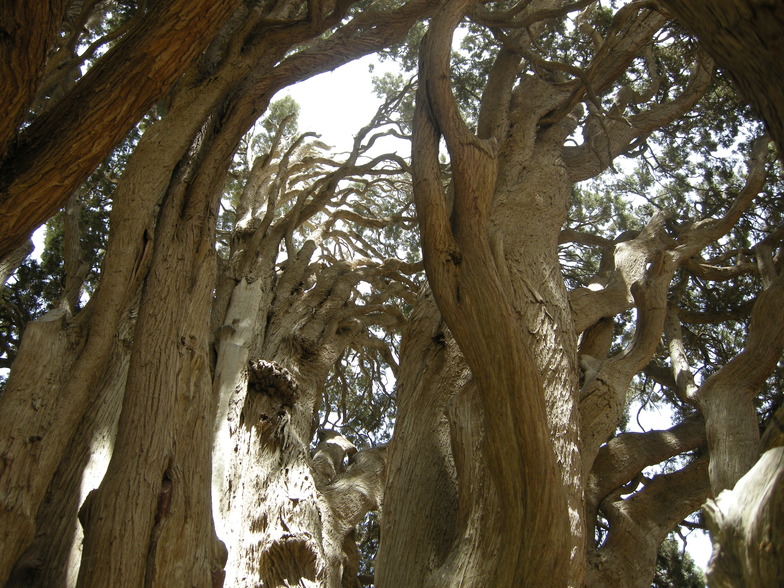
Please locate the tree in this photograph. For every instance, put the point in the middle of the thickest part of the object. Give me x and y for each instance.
(111, 354)
(293, 320)
(744, 37)
(676, 568)
(493, 241)
(251, 282)
(43, 163)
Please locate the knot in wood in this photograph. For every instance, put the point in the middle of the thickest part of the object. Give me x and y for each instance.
(272, 379)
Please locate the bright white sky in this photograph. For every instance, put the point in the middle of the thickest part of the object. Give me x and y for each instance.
(337, 104)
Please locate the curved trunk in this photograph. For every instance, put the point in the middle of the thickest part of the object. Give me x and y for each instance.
(744, 37)
(529, 210)
(746, 525)
(420, 455)
(495, 313)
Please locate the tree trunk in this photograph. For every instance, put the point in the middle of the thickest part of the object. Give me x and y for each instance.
(287, 517)
(746, 526)
(159, 476)
(79, 346)
(745, 38)
(52, 559)
(29, 29)
(472, 287)
(63, 146)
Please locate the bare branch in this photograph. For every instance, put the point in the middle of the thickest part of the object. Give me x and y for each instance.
(607, 137)
(708, 230)
(685, 387)
(639, 523)
(631, 258)
(726, 397)
(626, 455)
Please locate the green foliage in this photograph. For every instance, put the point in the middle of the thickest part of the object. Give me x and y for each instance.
(359, 398)
(675, 568)
(368, 540)
(406, 53)
(470, 68)
(281, 114)
(692, 169)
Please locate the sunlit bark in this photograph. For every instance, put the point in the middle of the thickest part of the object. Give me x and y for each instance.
(38, 432)
(745, 526)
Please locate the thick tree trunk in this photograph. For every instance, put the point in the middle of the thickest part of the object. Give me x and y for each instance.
(158, 479)
(746, 524)
(270, 506)
(63, 146)
(529, 209)
(52, 559)
(287, 518)
(472, 287)
(745, 38)
(79, 346)
(439, 501)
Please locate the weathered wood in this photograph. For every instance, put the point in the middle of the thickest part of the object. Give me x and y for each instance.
(747, 528)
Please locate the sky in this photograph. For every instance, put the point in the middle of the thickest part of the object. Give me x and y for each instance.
(337, 104)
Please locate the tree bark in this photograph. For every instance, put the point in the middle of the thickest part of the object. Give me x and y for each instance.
(726, 398)
(746, 527)
(52, 559)
(424, 484)
(640, 523)
(80, 345)
(27, 31)
(51, 157)
(156, 478)
(470, 290)
(745, 38)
